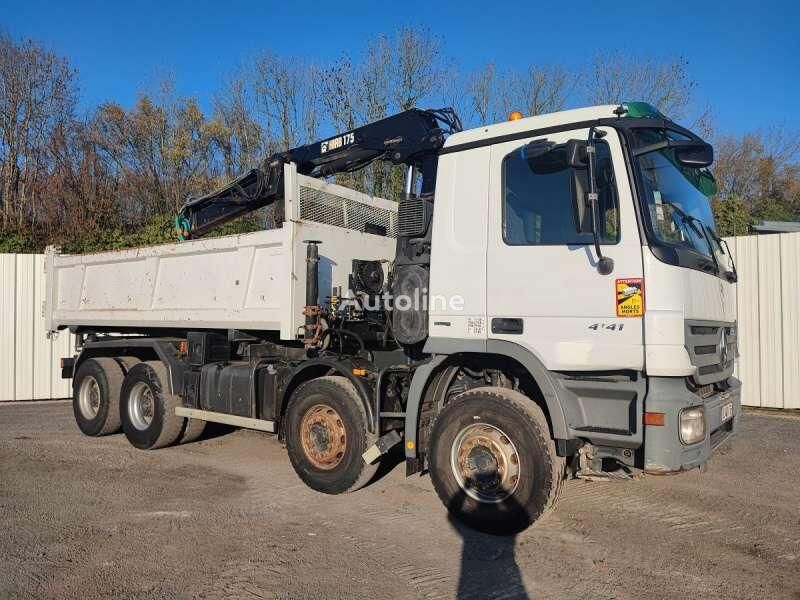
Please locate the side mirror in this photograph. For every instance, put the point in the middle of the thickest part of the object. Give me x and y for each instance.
(576, 154)
(696, 155)
(545, 157)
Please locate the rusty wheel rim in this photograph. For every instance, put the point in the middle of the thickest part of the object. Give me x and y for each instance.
(323, 437)
(485, 463)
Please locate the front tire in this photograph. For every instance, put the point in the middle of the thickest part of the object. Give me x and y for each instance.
(95, 399)
(326, 434)
(148, 409)
(492, 461)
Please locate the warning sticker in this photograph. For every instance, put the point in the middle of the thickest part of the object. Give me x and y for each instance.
(630, 297)
(475, 326)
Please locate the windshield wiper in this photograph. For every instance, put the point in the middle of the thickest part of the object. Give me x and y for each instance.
(687, 218)
(732, 276)
(701, 231)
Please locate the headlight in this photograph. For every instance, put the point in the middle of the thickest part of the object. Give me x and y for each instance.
(693, 425)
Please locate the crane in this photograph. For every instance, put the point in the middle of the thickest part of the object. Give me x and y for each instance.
(412, 138)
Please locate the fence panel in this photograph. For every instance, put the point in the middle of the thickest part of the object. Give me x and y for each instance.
(790, 294)
(29, 362)
(770, 335)
(8, 292)
(768, 309)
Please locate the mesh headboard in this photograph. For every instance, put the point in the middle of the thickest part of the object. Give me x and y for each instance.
(339, 206)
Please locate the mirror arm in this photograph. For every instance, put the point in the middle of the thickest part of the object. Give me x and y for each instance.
(604, 264)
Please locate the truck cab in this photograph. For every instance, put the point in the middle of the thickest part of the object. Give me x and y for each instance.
(640, 358)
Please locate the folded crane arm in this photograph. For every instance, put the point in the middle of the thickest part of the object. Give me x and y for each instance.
(412, 137)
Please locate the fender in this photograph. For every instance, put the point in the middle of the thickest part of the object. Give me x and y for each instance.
(423, 375)
(343, 368)
(164, 348)
(542, 378)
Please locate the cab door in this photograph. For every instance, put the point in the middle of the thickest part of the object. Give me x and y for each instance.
(544, 291)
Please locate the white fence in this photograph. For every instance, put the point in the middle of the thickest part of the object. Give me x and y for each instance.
(29, 362)
(768, 305)
(767, 300)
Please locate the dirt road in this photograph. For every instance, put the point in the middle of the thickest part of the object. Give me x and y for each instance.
(227, 518)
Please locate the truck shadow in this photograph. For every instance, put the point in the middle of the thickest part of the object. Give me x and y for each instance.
(215, 430)
(388, 463)
(488, 566)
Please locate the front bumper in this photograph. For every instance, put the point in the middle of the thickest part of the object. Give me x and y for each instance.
(663, 451)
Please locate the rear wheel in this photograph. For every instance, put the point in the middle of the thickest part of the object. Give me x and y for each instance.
(127, 362)
(192, 431)
(326, 434)
(492, 461)
(95, 400)
(148, 409)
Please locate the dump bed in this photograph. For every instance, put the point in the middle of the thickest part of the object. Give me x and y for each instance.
(250, 281)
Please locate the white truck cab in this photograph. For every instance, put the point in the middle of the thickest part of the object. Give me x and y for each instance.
(664, 314)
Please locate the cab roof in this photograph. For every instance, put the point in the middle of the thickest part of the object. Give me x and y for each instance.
(556, 119)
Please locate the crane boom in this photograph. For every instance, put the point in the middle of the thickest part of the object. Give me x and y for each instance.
(412, 137)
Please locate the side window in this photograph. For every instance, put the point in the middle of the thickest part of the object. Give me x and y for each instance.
(538, 208)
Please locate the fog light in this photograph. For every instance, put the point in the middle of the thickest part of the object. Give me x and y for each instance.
(693, 425)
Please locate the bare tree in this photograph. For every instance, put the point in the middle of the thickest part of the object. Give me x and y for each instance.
(532, 91)
(341, 101)
(615, 78)
(37, 99)
(418, 69)
(481, 89)
(540, 89)
(288, 100)
(236, 130)
(394, 73)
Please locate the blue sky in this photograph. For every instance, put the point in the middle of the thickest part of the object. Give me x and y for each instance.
(744, 56)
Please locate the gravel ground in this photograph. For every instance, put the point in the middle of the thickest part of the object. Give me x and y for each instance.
(227, 518)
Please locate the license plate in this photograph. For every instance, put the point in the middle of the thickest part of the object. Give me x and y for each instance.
(727, 412)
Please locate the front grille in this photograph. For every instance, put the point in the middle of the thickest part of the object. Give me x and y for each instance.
(713, 358)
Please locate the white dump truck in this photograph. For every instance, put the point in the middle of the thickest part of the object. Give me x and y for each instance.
(547, 298)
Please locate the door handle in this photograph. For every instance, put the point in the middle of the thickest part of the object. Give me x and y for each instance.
(506, 325)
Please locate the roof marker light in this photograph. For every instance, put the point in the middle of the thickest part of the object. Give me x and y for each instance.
(638, 109)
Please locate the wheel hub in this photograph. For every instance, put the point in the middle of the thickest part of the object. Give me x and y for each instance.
(89, 397)
(141, 406)
(485, 463)
(323, 437)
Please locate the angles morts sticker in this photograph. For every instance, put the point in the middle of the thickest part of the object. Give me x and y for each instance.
(630, 297)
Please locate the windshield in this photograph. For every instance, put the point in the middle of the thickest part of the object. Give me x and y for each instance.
(677, 197)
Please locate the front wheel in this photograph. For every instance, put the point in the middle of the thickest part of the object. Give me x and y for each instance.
(326, 434)
(492, 461)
